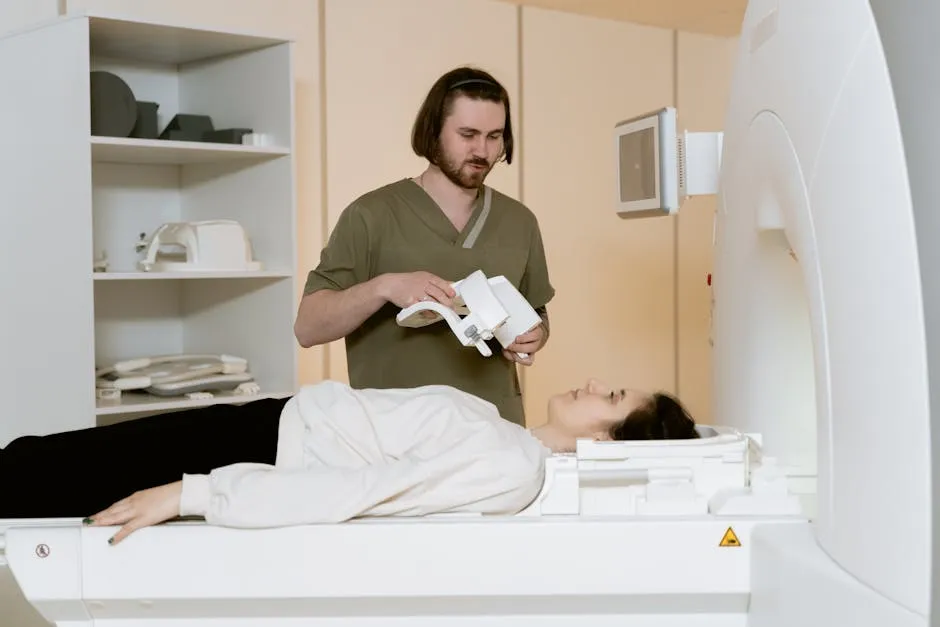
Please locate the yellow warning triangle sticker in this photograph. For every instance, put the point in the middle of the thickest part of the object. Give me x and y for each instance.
(730, 538)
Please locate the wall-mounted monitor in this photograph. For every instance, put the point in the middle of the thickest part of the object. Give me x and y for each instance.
(647, 165)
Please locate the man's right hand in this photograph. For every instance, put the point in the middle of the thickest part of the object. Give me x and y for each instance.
(328, 315)
(406, 289)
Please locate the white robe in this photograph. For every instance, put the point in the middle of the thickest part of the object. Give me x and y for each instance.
(345, 453)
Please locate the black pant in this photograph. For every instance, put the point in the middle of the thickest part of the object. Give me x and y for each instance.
(79, 473)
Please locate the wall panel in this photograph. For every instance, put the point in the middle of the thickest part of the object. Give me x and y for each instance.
(613, 315)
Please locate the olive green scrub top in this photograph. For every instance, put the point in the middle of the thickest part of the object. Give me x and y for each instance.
(399, 228)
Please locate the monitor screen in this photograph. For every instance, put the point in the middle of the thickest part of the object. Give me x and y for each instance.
(638, 165)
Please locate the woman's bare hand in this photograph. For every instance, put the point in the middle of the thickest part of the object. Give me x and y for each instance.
(141, 509)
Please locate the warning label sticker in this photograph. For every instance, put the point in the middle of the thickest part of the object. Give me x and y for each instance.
(730, 538)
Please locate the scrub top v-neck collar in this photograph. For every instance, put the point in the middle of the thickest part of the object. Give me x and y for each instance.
(435, 218)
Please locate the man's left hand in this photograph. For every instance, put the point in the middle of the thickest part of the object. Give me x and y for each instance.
(528, 344)
(141, 509)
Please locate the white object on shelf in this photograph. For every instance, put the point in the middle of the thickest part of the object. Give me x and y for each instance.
(100, 263)
(108, 394)
(221, 245)
(248, 388)
(173, 375)
(256, 139)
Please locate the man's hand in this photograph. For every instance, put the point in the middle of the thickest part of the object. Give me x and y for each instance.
(404, 290)
(528, 344)
(141, 509)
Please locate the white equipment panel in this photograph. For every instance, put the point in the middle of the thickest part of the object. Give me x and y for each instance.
(819, 333)
(657, 572)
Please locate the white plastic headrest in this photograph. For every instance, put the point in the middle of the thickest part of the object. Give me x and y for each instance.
(491, 308)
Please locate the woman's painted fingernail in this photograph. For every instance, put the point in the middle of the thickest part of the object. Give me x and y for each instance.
(111, 540)
(87, 521)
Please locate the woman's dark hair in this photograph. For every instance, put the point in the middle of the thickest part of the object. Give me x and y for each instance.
(663, 418)
(437, 106)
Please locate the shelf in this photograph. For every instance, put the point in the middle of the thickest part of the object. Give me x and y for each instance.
(175, 276)
(94, 196)
(170, 152)
(131, 402)
(112, 36)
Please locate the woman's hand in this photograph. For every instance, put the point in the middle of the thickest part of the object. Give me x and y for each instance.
(141, 509)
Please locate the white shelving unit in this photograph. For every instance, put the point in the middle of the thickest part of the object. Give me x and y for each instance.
(67, 196)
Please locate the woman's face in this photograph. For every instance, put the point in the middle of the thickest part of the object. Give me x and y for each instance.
(591, 410)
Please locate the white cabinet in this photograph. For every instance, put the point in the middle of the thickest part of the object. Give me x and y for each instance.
(67, 196)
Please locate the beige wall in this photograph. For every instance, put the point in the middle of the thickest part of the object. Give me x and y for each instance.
(632, 305)
(613, 314)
